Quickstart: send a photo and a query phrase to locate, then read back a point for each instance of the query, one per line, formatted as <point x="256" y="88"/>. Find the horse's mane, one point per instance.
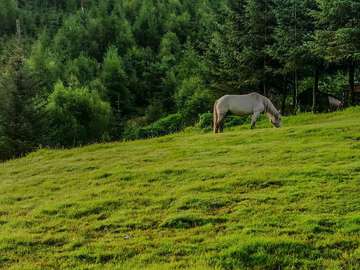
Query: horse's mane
<point x="270" y="108"/>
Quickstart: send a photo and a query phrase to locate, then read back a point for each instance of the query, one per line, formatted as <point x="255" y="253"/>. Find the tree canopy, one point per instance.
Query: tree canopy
<point x="130" y="63"/>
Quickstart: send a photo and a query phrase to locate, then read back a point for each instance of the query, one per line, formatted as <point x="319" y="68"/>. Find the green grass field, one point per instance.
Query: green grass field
<point x="267" y="198"/>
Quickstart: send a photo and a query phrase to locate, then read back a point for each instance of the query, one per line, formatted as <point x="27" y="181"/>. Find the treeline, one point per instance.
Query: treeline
<point x="75" y="72"/>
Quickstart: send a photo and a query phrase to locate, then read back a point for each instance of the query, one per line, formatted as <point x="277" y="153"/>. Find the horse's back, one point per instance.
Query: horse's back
<point x="250" y="97"/>
<point x="334" y="101"/>
<point x="239" y="104"/>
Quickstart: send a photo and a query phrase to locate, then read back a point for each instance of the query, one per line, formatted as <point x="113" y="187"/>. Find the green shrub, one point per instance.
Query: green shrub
<point x="167" y="125"/>
<point x="76" y="116"/>
<point x="205" y="121"/>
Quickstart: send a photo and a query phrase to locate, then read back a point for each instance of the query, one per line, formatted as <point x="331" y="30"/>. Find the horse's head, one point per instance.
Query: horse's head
<point x="276" y="120"/>
<point x="273" y="114"/>
<point x="341" y="105"/>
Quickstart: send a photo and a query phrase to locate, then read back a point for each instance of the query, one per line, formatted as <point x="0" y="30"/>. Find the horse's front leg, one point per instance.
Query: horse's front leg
<point x="254" y="118"/>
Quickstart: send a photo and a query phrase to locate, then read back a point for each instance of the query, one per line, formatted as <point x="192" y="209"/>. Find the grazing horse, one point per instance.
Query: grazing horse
<point x="324" y="102"/>
<point x="334" y="103"/>
<point x="253" y="103"/>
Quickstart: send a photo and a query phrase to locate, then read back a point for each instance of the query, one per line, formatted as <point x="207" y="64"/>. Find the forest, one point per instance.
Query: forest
<point x="75" y="72"/>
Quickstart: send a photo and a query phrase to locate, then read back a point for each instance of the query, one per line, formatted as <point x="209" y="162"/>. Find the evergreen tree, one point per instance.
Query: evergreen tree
<point x="293" y="30"/>
<point x="238" y="53"/>
<point x="44" y="65"/>
<point x="20" y="115"/>
<point x="257" y="37"/>
<point x="226" y="72"/>
<point x="83" y="69"/>
<point x="338" y="35"/>
<point x="147" y="27"/>
<point x="139" y="65"/>
<point x="169" y="55"/>
<point x="8" y="15"/>
<point x="114" y="79"/>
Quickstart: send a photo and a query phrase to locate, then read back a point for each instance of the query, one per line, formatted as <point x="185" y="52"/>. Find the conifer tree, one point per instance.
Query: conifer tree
<point x="338" y="35"/>
<point x="8" y="15"/>
<point x="257" y="37"/>
<point x="294" y="26"/>
<point x="114" y="79"/>
<point x="227" y="73"/>
<point x="20" y="114"/>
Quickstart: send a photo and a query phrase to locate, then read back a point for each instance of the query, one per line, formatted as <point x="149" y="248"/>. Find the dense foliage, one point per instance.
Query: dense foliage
<point x="136" y="62"/>
<point x="76" y="116"/>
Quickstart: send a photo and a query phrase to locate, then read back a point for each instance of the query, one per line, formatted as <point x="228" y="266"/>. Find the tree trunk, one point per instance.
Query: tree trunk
<point x="18" y="30"/>
<point x="350" y="96"/>
<point x="315" y="89"/>
<point x="295" y="96"/>
<point x="353" y="94"/>
<point x="283" y="101"/>
<point x="264" y="89"/>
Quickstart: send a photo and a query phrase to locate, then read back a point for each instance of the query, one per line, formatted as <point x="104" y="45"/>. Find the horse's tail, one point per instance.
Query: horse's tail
<point x="215" y="117"/>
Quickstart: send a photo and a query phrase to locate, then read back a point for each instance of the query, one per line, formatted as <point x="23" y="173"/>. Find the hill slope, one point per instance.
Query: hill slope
<point x="264" y="199"/>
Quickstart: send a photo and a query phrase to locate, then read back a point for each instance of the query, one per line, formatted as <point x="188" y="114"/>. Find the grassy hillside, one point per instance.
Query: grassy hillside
<point x="268" y="198"/>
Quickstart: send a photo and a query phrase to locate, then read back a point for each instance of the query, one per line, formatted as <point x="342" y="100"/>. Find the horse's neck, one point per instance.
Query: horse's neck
<point x="270" y="108"/>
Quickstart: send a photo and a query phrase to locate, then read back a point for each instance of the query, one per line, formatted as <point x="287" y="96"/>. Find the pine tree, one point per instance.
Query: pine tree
<point x="8" y="15"/>
<point x="294" y="27"/>
<point x="147" y="27"/>
<point x="238" y="53"/>
<point x="227" y="74"/>
<point x="338" y="35"/>
<point x="259" y="26"/>
<point x="20" y="115"/>
<point x="114" y="79"/>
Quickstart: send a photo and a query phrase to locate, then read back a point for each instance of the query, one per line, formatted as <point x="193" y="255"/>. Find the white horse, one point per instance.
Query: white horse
<point x="334" y="103"/>
<point x="253" y="103"/>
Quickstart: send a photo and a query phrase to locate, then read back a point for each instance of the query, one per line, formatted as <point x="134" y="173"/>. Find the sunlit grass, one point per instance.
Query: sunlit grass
<point x="246" y="199"/>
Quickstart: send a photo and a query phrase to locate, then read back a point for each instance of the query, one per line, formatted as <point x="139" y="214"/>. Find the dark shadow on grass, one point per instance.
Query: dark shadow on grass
<point x="268" y="255"/>
<point x="190" y="221"/>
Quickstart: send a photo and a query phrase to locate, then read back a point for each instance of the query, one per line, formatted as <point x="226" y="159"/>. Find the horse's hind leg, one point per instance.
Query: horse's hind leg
<point x="220" y="122"/>
<point x="221" y="127"/>
<point x="216" y="127"/>
<point x="254" y="118"/>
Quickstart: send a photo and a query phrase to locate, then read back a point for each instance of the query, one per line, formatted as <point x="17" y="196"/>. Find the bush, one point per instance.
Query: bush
<point x="205" y="121"/>
<point x="167" y="125"/>
<point x="76" y="116"/>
